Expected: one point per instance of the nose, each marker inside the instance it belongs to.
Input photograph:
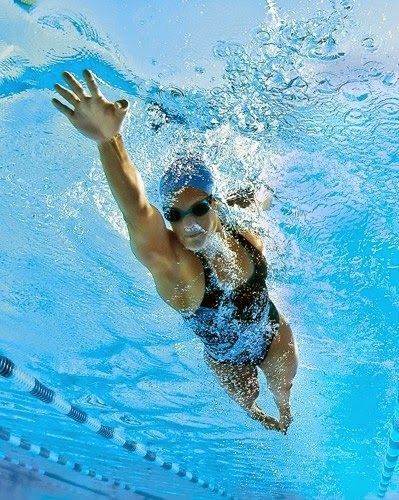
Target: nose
(189, 219)
(191, 226)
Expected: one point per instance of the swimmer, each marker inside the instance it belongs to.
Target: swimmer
(213, 274)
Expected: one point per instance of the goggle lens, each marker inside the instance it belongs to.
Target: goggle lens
(198, 209)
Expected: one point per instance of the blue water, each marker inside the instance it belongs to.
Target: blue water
(307, 106)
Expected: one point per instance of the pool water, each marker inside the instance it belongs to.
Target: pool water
(304, 102)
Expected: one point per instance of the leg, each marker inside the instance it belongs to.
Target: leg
(280, 367)
(241, 384)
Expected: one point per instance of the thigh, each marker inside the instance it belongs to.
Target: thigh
(281, 362)
(240, 380)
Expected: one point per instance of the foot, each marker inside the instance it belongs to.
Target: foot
(269, 422)
(285, 421)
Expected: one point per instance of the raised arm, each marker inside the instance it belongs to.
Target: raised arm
(101, 120)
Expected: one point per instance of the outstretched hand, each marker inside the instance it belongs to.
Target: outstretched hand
(93, 115)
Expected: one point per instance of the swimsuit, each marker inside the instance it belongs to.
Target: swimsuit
(236, 326)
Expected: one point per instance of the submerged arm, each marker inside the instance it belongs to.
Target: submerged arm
(246, 197)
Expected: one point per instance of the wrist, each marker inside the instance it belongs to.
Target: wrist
(109, 140)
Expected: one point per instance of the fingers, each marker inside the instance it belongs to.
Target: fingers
(74, 84)
(77, 95)
(61, 107)
(91, 83)
(67, 94)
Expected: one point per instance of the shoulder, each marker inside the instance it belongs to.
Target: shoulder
(253, 238)
(180, 283)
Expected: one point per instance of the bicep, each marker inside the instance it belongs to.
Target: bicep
(150, 238)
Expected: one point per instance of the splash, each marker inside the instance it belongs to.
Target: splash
(216, 249)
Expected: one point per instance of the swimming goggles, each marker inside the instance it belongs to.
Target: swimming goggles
(200, 208)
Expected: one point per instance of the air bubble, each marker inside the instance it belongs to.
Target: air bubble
(389, 79)
(262, 36)
(343, 4)
(374, 69)
(355, 91)
(227, 49)
(369, 44)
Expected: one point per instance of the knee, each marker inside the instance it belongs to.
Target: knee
(251, 399)
(248, 396)
(279, 385)
(253, 386)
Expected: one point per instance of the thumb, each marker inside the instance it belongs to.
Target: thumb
(122, 105)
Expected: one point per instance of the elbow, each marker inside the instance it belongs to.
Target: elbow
(137, 214)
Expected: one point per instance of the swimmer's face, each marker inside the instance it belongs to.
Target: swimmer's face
(194, 230)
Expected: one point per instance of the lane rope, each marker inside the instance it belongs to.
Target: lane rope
(66, 484)
(392, 454)
(52, 456)
(35, 388)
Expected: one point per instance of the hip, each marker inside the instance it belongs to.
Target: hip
(253, 341)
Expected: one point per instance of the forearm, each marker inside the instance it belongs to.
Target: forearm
(247, 197)
(123, 178)
(264, 198)
(243, 198)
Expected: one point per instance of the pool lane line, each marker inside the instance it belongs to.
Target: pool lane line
(42, 472)
(52, 456)
(392, 454)
(35, 388)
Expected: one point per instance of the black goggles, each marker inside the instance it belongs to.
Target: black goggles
(200, 208)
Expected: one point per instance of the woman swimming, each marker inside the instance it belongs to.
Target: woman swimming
(212, 273)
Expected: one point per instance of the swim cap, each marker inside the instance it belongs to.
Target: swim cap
(185, 172)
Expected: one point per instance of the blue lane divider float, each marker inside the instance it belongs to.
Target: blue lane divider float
(392, 454)
(53, 456)
(33, 386)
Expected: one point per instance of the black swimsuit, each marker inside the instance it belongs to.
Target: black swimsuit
(236, 326)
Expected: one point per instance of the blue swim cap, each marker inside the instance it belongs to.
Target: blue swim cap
(185, 172)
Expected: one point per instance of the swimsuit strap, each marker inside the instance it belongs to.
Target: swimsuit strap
(257, 257)
(213, 292)
(207, 268)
